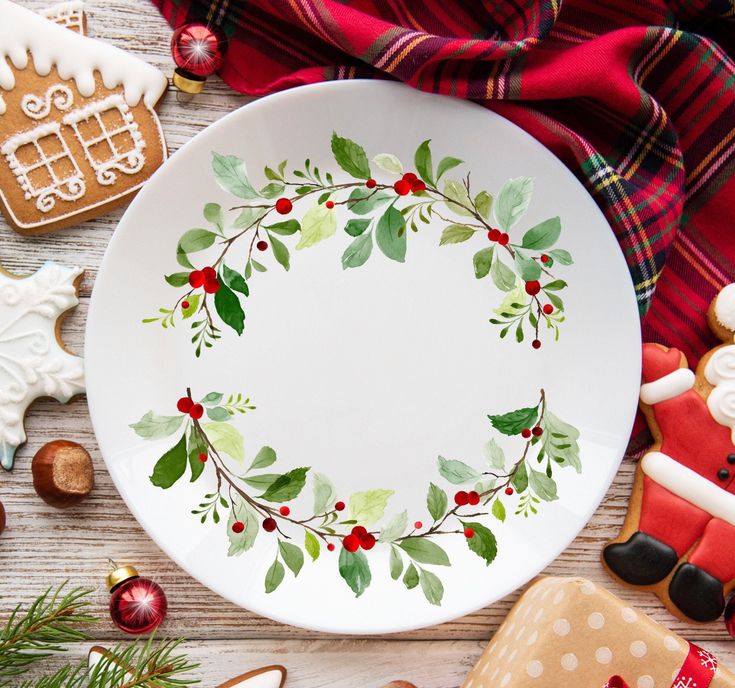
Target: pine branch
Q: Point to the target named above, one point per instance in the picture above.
(45, 627)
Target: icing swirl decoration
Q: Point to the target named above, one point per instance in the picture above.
(38, 107)
(721, 366)
(720, 371)
(725, 307)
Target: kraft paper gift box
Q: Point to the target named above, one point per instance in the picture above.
(566, 632)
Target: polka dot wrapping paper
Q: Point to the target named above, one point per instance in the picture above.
(570, 632)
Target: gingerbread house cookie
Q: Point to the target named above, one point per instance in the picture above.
(78, 130)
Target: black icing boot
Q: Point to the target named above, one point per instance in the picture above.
(642, 560)
(696, 593)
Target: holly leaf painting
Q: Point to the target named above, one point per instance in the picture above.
(498, 510)
(423, 162)
(351, 157)
(355, 569)
(285, 228)
(432, 587)
(177, 279)
(395, 563)
(228, 308)
(280, 252)
(456, 234)
(395, 528)
(311, 545)
(561, 256)
(543, 485)
(287, 487)
(171, 466)
(325, 494)
(559, 441)
(356, 226)
(527, 268)
(457, 198)
(197, 446)
(411, 577)
(501, 275)
(262, 481)
(193, 241)
(226, 438)
(456, 472)
(436, 502)
(213, 213)
(520, 478)
(234, 280)
(513, 200)
(483, 542)
(362, 200)
(482, 261)
(318, 223)
(292, 555)
(543, 235)
(193, 307)
(494, 454)
(484, 203)
(446, 164)
(390, 234)
(231, 173)
(512, 423)
(358, 252)
(264, 458)
(424, 551)
(154, 427)
(241, 542)
(274, 576)
(388, 162)
(367, 508)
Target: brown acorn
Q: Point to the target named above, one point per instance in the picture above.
(63, 474)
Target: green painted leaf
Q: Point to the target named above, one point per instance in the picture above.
(280, 252)
(502, 276)
(363, 200)
(213, 213)
(556, 285)
(482, 260)
(355, 569)
(325, 494)
(226, 438)
(153, 427)
(436, 502)
(355, 227)
(411, 577)
(171, 466)
(358, 252)
(514, 302)
(513, 200)
(515, 421)
(494, 454)
(520, 478)
(285, 228)
(272, 190)
(258, 266)
(351, 157)
(234, 280)
(231, 174)
(423, 162)
(527, 268)
(318, 224)
(212, 399)
(456, 472)
(248, 217)
(561, 256)
(432, 587)
(262, 481)
(368, 507)
(287, 487)
(459, 200)
(274, 576)
(242, 542)
(218, 413)
(196, 446)
(194, 300)
(191, 242)
(228, 308)
(446, 164)
(311, 545)
(484, 203)
(424, 551)
(456, 234)
(178, 279)
(272, 174)
(395, 562)
(542, 235)
(395, 528)
(264, 458)
(498, 510)
(389, 163)
(483, 543)
(390, 234)
(559, 441)
(543, 486)
(292, 555)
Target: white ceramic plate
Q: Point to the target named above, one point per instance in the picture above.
(366, 374)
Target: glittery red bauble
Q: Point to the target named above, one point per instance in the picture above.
(730, 616)
(138, 605)
(198, 49)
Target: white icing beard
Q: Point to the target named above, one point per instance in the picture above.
(720, 372)
(725, 307)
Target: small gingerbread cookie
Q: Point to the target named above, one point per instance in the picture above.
(34, 361)
(678, 539)
(267, 677)
(78, 130)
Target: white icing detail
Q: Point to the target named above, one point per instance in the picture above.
(46, 170)
(70, 15)
(569, 661)
(603, 655)
(725, 307)
(688, 485)
(75, 56)
(32, 363)
(38, 107)
(534, 668)
(720, 371)
(126, 159)
(668, 386)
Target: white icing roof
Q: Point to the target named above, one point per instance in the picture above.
(75, 57)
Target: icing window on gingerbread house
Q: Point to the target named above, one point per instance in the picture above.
(43, 166)
(110, 137)
(70, 15)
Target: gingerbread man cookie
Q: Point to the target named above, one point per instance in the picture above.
(678, 539)
(33, 360)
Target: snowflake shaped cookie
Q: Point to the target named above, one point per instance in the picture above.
(33, 361)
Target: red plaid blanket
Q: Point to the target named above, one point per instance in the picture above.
(637, 97)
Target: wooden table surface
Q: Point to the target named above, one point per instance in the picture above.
(43, 546)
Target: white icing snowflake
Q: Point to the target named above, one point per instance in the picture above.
(32, 362)
(707, 659)
(685, 682)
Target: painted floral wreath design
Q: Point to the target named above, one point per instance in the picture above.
(273, 503)
(380, 213)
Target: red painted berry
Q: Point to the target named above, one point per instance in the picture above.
(371, 183)
(473, 498)
(185, 304)
(203, 457)
(330, 547)
(351, 543)
(493, 235)
(418, 525)
(526, 432)
(533, 287)
(283, 206)
(548, 309)
(184, 404)
(269, 525)
(418, 186)
(509, 491)
(209, 274)
(329, 204)
(410, 177)
(402, 187)
(238, 527)
(339, 506)
(284, 511)
(368, 542)
(461, 498)
(211, 286)
(536, 343)
(359, 531)
(196, 411)
(262, 245)
(469, 533)
(544, 258)
(537, 431)
(196, 279)
(503, 239)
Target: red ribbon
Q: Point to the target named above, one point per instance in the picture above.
(697, 671)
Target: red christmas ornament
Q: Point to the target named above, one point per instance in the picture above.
(137, 605)
(198, 51)
(730, 616)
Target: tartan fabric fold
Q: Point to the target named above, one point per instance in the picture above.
(636, 97)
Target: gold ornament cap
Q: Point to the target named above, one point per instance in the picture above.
(188, 83)
(120, 575)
